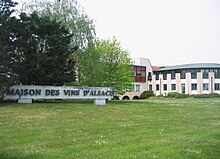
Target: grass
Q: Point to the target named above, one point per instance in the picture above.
(153, 128)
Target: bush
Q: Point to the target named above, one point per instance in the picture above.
(177, 95)
(211, 95)
(146, 94)
(182, 96)
(172, 94)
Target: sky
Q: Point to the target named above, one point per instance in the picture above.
(167, 32)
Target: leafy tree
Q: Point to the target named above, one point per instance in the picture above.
(7, 25)
(7, 36)
(105, 64)
(67, 12)
(34, 50)
(45, 57)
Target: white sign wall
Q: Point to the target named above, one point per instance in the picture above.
(28, 92)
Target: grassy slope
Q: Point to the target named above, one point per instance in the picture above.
(155, 128)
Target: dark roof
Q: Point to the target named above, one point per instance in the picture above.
(190, 66)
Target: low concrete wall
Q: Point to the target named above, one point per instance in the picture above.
(129, 95)
(26, 93)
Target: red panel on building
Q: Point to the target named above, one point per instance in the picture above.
(139, 73)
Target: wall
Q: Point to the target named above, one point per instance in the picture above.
(185, 85)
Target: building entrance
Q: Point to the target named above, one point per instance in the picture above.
(183, 89)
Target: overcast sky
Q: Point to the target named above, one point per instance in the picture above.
(167, 32)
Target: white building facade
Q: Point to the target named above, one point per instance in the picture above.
(142, 71)
(138, 85)
(199, 78)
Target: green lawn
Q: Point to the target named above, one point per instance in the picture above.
(153, 128)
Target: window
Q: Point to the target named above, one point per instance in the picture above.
(205, 73)
(164, 76)
(217, 86)
(150, 87)
(173, 87)
(172, 74)
(139, 73)
(205, 86)
(157, 75)
(165, 87)
(194, 73)
(157, 87)
(137, 88)
(183, 88)
(217, 73)
(194, 86)
(149, 77)
(183, 74)
(143, 73)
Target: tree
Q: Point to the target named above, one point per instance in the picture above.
(7, 27)
(105, 64)
(34, 50)
(70, 15)
(43, 47)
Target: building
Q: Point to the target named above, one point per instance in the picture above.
(198, 78)
(142, 74)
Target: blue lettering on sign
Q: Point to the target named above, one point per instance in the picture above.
(24, 92)
(52, 92)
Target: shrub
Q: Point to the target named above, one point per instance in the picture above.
(211, 95)
(182, 96)
(172, 94)
(146, 94)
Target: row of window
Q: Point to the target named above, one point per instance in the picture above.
(205, 73)
(136, 87)
(193, 87)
